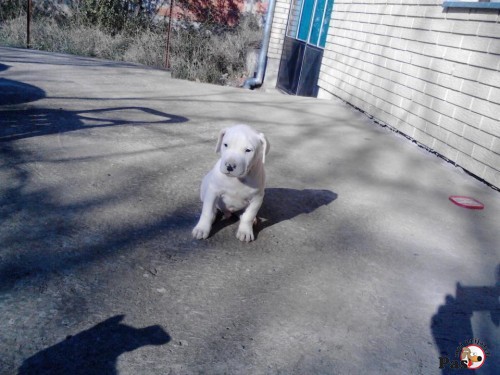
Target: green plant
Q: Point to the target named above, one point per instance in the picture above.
(10, 9)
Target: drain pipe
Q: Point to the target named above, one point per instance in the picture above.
(250, 83)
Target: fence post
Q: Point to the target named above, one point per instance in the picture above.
(28, 25)
(169, 30)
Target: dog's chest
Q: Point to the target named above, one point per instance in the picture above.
(233, 202)
(236, 195)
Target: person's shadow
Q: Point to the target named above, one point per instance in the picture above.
(451, 325)
(94, 351)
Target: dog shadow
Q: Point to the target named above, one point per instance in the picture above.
(94, 351)
(281, 204)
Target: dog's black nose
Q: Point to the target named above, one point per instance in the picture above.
(230, 168)
(479, 358)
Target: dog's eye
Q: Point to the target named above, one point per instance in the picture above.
(248, 150)
(225, 144)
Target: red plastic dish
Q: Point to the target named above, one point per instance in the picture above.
(467, 202)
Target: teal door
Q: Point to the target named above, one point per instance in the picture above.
(305, 40)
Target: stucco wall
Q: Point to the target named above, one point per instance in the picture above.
(432, 74)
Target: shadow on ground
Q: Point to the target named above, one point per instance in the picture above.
(94, 351)
(44, 234)
(26, 122)
(282, 204)
(452, 323)
(32, 122)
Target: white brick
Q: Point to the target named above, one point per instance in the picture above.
(440, 25)
(485, 108)
(437, 132)
(476, 89)
(492, 176)
(433, 50)
(478, 137)
(491, 126)
(443, 107)
(481, 15)
(397, 10)
(486, 156)
(494, 95)
(466, 28)
(405, 128)
(421, 61)
(487, 76)
(494, 46)
(422, 99)
(459, 99)
(489, 29)
(415, 11)
(445, 150)
(475, 43)
(454, 126)
(450, 82)
(417, 122)
(466, 71)
(468, 117)
(423, 137)
(484, 60)
(442, 66)
(495, 147)
(435, 90)
(471, 165)
(450, 40)
(431, 116)
(457, 55)
(435, 12)
(460, 143)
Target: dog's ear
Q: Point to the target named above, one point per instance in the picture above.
(219, 141)
(265, 146)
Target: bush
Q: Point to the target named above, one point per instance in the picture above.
(207, 52)
(10, 9)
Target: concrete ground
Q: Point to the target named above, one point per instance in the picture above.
(361, 263)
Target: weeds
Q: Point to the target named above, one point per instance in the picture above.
(205, 52)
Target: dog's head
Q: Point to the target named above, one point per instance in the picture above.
(241, 148)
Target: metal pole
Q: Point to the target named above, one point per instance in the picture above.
(169, 30)
(28, 26)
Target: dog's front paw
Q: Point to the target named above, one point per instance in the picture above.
(245, 233)
(201, 232)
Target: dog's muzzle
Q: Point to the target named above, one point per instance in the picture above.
(231, 167)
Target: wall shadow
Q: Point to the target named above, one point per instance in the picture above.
(282, 204)
(94, 351)
(452, 325)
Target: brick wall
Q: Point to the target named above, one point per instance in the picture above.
(432, 74)
(279, 28)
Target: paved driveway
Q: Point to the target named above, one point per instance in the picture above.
(361, 263)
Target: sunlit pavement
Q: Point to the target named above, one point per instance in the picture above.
(361, 265)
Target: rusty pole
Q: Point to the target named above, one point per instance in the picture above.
(28, 25)
(169, 30)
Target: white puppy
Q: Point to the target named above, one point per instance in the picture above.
(236, 182)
